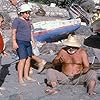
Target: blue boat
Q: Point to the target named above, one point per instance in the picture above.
(55, 30)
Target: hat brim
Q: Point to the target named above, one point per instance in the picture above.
(72, 44)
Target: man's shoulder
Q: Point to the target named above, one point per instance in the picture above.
(63, 50)
(18, 20)
(82, 51)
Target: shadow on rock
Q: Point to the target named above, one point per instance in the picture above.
(4, 71)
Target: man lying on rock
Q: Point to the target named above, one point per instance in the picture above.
(74, 67)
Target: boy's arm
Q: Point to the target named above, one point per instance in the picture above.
(57, 58)
(15, 46)
(32, 39)
(32, 36)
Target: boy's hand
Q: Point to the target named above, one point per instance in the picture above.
(15, 45)
(33, 43)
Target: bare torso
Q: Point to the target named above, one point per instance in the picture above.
(71, 64)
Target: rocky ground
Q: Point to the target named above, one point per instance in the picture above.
(34, 91)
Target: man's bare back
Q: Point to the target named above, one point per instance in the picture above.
(72, 64)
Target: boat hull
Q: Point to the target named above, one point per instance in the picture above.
(56, 33)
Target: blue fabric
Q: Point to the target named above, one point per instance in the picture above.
(24, 50)
(23, 28)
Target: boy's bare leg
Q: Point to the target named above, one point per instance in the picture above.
(20, 70)
(53, 89)
(26, 70)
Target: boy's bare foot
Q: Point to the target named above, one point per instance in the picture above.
(21, 82)
(92, 93)
(30, 79)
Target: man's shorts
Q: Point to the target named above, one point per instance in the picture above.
(24, 50)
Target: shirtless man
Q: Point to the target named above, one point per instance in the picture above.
(75, 66)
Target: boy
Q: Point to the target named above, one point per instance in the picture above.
(21, 36)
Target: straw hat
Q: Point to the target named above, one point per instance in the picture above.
(72, 41)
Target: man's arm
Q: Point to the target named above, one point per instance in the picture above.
(57, 58)
(86, 66)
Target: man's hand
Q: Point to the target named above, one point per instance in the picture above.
(85, 70)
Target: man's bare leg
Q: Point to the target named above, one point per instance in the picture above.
(40, 62)
(52, 89)
(20, 70)
(37, 59)
(91, 87)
